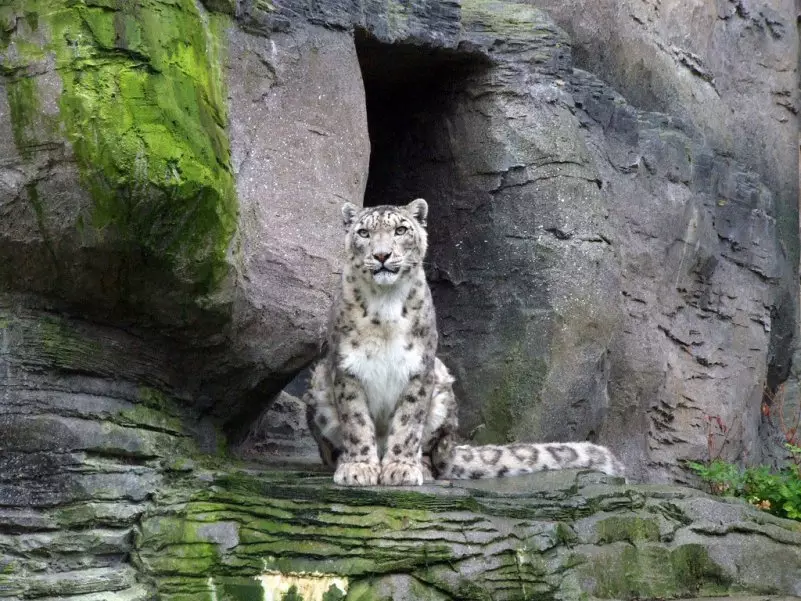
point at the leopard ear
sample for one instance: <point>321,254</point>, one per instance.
<point>349,211</point>
<point>418,209</point>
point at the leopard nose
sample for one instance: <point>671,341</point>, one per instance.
<point>382,257</point>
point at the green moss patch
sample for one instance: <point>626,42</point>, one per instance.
<point>630,529</point>
<point>651,571</point>
<point>144,107</point>
<point>509,20</point>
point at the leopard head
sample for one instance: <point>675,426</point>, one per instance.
<point>387,242</point>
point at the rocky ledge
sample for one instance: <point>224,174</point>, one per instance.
<point>570,535</point>
<point>252,534</point>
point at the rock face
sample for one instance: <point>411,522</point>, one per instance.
<point>699,278</point>
<point>605,266</point>
<point>160,181</point>
<point>600,271</point>
<point>678,58</point>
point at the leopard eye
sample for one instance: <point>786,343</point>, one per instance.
<point>363,233</point>
<point>399,231</point>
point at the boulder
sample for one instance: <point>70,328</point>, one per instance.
<point>166,170</point>
<point>280,435</point>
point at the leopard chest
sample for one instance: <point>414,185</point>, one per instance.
<point>383,356</point>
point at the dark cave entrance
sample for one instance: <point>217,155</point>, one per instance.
<point>410,92</point>
<point>428,135</point>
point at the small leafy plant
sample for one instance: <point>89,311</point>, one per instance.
<point>777,492</point>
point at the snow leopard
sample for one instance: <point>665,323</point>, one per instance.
<point>380,403</point>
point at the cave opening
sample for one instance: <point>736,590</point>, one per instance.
<point>410,92</point>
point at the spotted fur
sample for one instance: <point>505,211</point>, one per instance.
<point>380,403</point>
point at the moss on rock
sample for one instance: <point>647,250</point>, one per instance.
<point>631,529</point>
<point>235,536</point>
<point>239,589</point>
<point>652,571</point>
<point>224,6</point>
<point>63,346</point>
<point>23,102</point>
<point>507,20</point>
<point>155,411</point>
<point>143,105</point>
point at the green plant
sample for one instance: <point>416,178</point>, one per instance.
<point>722,477</point>
<point>778,492</point>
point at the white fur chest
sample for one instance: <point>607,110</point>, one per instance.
<point>384,362</point>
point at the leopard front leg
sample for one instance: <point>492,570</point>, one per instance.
<point>358,464</point>
<point>402,461</point>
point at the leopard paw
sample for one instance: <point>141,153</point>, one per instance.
<point>357,473</point>
<point>399,473</point>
